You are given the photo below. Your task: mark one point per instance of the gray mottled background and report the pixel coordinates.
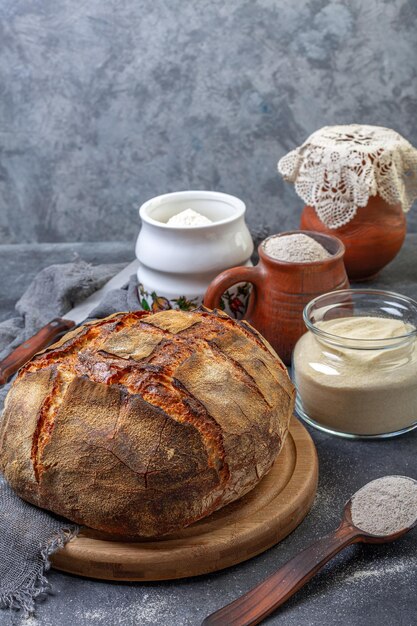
(106, 103)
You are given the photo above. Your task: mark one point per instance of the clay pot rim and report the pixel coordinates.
(317, 236)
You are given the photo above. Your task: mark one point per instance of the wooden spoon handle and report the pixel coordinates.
(256, 604)
(23, 353)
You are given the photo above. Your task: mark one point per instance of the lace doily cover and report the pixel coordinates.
(339, 167)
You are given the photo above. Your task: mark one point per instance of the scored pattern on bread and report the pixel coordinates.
(140, 424)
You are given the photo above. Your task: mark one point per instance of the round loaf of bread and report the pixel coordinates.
(140, 424)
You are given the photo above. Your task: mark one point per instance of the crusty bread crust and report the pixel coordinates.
(141, 424)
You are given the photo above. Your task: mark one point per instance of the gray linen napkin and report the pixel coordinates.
(28, 535)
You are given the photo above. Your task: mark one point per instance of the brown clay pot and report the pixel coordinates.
(372, 239)
(282, 289)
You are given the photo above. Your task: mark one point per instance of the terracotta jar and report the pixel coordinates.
(360, 179)
(372, 238)
(282, 289)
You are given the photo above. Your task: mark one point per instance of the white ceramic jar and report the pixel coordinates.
(177, 263)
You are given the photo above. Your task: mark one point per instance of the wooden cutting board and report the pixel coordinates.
(237, 532)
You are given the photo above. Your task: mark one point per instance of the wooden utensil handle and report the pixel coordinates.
(29, 348)
(256, 604)
(228, 278)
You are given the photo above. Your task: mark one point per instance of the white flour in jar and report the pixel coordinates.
(188, 217)
(358, 391)
(385, 505)
(295, 248)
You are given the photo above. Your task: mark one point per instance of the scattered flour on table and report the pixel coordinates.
(296, 248)
(189, 217)
(145, 610)
(404, 566)
(385, 505)
(381, 571)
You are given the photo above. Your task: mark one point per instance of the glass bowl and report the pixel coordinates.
(355, 368)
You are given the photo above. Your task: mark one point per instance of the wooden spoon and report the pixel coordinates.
(259, 602)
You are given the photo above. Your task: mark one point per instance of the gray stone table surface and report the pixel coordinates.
(363, 586)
